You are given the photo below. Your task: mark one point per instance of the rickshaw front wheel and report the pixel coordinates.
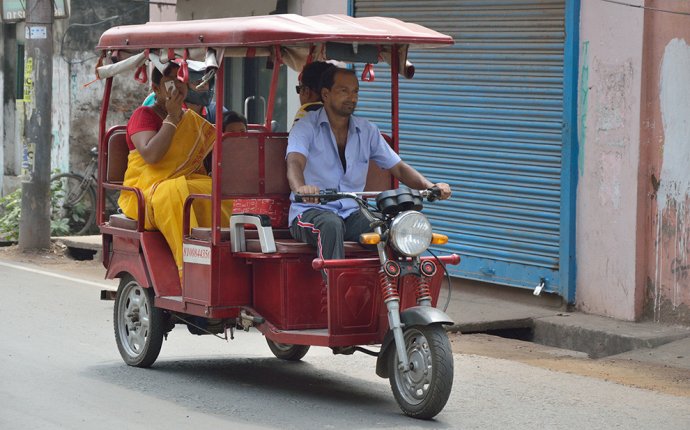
(423, 391)
(286, 351)
(139, 326)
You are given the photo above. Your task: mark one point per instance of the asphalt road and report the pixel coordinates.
(60, 368)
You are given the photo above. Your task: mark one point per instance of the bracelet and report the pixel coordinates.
(170, 122)
(173, 118)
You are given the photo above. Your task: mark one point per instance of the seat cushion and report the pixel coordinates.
(204, 233)
(291, 246)
(122, 221)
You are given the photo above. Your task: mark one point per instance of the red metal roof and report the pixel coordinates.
(270, 30)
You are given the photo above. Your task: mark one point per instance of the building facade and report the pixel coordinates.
(563, 124)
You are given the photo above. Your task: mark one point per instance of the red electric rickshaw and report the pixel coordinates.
(253, 274)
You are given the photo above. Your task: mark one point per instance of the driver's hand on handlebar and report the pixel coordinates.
(445, 190)
(308, 189)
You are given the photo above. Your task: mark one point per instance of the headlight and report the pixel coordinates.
(410, 233)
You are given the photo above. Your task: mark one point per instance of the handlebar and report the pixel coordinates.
(328, 195)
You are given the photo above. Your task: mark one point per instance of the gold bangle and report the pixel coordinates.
(173, 118)
(171, 123)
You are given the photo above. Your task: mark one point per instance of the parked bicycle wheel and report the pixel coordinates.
(74, 204)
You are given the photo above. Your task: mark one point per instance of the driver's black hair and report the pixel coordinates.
(328, 76)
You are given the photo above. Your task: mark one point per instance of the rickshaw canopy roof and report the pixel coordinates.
(268, 31)
(295, 39)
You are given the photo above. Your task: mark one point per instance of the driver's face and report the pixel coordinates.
(342, 98)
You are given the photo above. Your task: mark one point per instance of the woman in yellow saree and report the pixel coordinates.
(167, 148)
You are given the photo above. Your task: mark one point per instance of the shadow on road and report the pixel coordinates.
(267, 391)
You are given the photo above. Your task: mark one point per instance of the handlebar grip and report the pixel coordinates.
(298, 198)
(434, 194)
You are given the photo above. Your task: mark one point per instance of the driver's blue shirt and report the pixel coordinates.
(313, 137)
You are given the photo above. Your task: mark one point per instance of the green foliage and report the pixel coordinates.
(11, 208)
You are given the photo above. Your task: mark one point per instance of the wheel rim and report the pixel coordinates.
(284, 347)
(134, 318)
(415, 384)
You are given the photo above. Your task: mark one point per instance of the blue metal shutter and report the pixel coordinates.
(485, 115)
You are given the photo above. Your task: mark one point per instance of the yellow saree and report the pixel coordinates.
(167, 183)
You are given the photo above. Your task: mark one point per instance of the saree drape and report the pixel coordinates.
(167, 183)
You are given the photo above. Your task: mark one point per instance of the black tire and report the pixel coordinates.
(139, 326)
(424, 390)
(286, 351)
(74, 200)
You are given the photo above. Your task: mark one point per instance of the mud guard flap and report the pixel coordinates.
(417, 315)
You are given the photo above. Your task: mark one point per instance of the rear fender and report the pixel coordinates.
(417, 315)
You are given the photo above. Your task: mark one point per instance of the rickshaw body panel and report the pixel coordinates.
(222, 283)
(289, 294)
(122, 255)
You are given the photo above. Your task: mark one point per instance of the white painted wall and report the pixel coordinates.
(161, 12)
(60, 115)
(2, 129)
(670, 238)
(193, 9)
(318, 7)
(609, 156)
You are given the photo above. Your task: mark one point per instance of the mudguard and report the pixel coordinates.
(416, 315)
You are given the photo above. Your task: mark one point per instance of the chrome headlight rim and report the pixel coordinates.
(400, 240)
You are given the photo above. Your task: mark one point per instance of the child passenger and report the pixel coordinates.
(233, 122)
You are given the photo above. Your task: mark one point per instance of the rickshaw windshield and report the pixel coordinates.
(292, 40)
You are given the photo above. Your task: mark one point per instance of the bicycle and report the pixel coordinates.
(76, 198)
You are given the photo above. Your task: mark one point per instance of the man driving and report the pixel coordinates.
(331, 148)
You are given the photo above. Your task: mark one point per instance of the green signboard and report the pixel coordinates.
(15, 10)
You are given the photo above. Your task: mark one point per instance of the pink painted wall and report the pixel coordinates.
(666, 176)
(608, 279)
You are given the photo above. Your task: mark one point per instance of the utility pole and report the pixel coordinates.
(34, 225)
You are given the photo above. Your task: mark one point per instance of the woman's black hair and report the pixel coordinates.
(157, 75)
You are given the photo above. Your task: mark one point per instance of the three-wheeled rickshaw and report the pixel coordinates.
(253, 274)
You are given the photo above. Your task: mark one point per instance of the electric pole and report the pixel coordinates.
(34, 225)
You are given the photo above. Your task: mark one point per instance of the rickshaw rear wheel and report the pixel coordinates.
(139, 326)
(423, 391)
(286, 351)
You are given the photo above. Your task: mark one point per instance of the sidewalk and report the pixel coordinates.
(478, 307)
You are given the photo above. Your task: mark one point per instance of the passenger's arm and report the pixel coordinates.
(296, 163)
(413, 179)
(153, 145)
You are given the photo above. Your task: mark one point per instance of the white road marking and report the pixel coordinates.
(55, 275)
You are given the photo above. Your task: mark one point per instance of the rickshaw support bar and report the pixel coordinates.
(318, 263)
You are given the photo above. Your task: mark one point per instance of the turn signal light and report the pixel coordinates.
(369, 238)
(439, 239)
